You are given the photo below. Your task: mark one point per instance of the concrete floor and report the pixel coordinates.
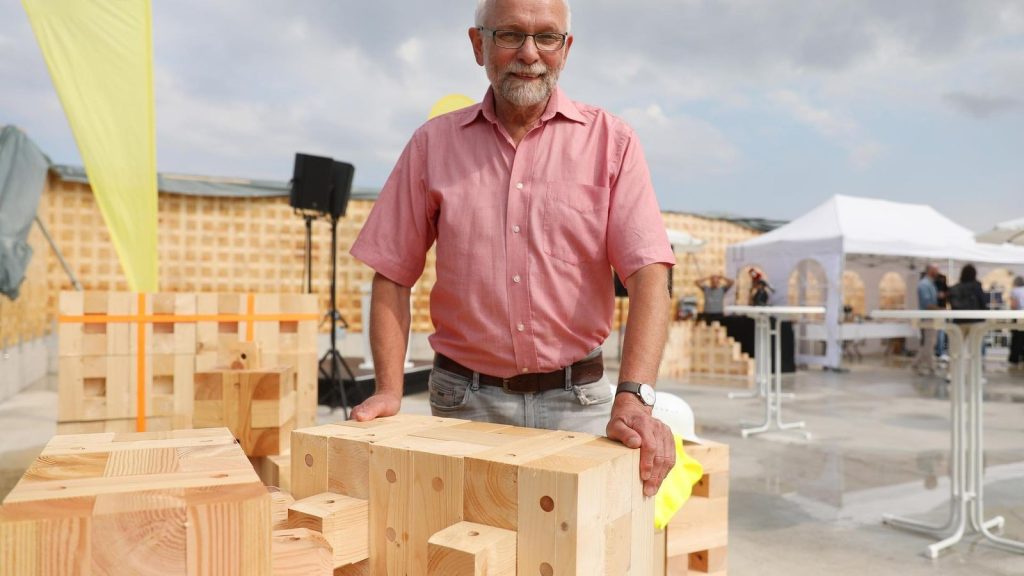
(798, 507)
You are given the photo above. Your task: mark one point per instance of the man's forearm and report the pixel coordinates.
(389, 331)
(647, 329)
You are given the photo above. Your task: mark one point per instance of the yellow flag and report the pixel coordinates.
(100, 56)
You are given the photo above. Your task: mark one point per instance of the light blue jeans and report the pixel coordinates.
(585, 408)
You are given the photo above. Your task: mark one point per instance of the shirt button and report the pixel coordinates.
(515, 228)
(519, 185)
(516, 278)
(520, 327)
(525, 369)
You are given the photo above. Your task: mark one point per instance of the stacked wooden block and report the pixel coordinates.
(715, 353)
(426, 495)
(696, 540)
(99, 363)
(677, 360)
(180, 502)
(101, 358)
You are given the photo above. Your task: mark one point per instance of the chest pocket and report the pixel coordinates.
(576, 222)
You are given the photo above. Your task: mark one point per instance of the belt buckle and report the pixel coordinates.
(504, 386)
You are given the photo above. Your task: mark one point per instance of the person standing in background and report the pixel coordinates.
(1017, 336)
(714, 288)
(927, 299)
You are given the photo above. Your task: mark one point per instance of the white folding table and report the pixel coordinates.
(769, 382)
(966, 397)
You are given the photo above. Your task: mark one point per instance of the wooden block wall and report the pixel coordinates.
(98, 363)
(715, 353)
(215, 244)
(25, 319)
(182, 502)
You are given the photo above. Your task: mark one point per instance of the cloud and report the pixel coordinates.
(982, 106)
(679, 147)
(834, 126)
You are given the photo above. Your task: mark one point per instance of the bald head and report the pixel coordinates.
(483, 9)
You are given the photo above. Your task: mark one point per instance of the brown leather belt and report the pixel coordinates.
(582, 372)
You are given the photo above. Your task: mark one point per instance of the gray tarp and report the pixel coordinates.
(22, 176)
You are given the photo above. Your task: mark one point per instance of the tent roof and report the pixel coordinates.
(870, 226)
(1011, 231)
(683, 242)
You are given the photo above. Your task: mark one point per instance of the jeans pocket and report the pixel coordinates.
(599, 392)
(448, 392)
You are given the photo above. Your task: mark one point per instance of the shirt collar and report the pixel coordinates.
(559, 103)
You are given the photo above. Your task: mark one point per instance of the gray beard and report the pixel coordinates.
(527, 94)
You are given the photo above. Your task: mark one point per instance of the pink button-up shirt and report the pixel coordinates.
(526, 237)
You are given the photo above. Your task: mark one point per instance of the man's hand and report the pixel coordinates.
(632, 424)
(377, 406)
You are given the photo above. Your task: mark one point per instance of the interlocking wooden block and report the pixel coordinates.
(576, 500)
(335, 457)
(100, 338)
(95, 388)
(301, 552)
(342, 520)
(697, 537)
(159, 424)
(582, 511)
(180, 502)
(274, 470)
(280, 502)
(306, 370)
(214, 338)
(258, 406)
(469, 549)
(246, 356)
(170, 336)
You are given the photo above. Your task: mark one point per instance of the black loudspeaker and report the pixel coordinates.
(312, 182)
(343, 173)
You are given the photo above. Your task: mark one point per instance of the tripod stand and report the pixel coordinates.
(334, 395)
(336, 390)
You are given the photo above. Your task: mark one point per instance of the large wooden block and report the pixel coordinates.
(180, 502)
(582, 511)
(258, 406)
(335, 457)
(301, 552)
(468, 549)
(342, 520)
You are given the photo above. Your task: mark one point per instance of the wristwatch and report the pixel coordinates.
(642, 391)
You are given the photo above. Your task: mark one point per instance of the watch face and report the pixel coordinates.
(647, 394)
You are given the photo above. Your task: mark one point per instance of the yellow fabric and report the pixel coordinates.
(100, 56)
(676, 488)
(449, 103)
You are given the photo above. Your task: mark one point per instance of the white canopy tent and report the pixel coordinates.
(1009, 232)
(683, 242)
(871, 237)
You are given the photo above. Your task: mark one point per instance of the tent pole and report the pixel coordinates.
(60, 257)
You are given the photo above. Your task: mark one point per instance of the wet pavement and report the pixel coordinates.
(880, 444)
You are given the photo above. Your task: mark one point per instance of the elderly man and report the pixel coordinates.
(532, 198)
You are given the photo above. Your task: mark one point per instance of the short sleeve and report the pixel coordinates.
(402, 225)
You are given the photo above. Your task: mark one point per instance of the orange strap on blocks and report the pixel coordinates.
(250, 318)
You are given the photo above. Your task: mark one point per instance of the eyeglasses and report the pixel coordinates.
(546, 41)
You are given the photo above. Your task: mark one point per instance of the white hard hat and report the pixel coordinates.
(676, 413)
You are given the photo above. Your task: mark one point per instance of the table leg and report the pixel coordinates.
(778, 385)
(976, 449)
(762, 336)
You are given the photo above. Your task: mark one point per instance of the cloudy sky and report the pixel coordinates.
(749, 107)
